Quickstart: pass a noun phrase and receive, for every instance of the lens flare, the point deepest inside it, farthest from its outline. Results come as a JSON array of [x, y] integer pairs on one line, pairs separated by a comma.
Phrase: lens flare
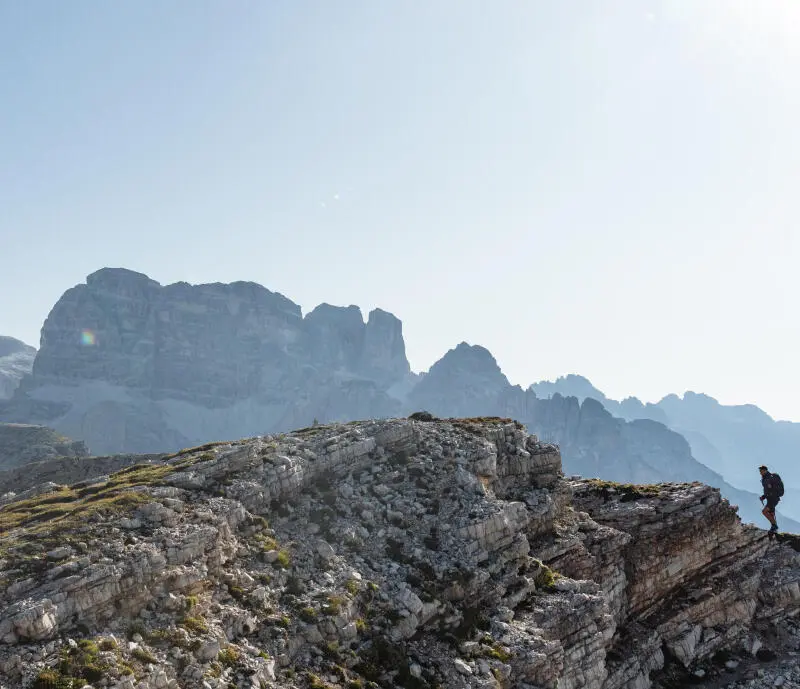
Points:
[[88, 338]]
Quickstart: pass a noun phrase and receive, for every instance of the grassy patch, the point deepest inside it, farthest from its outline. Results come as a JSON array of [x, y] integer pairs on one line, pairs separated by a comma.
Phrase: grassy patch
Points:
[[215, 670], [200, 449], [50, 678], [266, 543], [483, 419], [283, 560], [309, 431], [171, 637], [259, 521], [107, 644], [308, 614], [314, 682], [54, 514], [190, 602], [492, 649], [66, 507], [144, 656], [47, 517], [228, 656], [627, 492], [334, 605], [194, 625], [136, 627], [546, 578], [237, 593], [77, 667]]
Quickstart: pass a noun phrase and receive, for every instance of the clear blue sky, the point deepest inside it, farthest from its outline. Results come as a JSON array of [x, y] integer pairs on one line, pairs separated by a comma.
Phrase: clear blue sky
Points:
[[607, 188]]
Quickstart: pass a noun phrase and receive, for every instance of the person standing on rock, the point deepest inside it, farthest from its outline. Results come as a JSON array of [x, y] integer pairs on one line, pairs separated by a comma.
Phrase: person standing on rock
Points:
[[773, 490]]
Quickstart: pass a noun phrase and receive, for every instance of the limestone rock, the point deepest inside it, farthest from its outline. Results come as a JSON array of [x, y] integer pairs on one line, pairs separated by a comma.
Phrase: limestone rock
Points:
[[453, 553], [66, 470], [129, 365]]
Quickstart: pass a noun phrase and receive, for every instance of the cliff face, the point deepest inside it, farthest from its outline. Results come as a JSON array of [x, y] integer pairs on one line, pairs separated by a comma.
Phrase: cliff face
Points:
[[16, 361], [402, 552], [131, 366]]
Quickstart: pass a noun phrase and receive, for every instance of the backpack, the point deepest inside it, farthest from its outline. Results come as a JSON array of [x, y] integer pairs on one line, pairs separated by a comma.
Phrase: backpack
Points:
[[777, 485]]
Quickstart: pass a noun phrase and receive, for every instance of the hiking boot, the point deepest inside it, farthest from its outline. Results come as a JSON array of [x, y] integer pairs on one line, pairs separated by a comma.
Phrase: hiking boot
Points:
[[773, 528]]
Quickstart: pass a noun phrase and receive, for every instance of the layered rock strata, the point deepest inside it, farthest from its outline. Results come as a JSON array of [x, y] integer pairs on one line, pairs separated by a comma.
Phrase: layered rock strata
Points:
[[66, 470], [400, 553]]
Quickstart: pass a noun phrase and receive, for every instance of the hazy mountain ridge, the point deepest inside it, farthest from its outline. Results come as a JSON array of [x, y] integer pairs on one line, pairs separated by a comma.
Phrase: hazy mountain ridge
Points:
[[732, 440], [130, 366], [467, 381]]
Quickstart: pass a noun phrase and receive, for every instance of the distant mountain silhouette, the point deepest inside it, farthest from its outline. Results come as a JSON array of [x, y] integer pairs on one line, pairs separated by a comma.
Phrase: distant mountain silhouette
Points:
[[16, 361], [732, 440], [132, 366]]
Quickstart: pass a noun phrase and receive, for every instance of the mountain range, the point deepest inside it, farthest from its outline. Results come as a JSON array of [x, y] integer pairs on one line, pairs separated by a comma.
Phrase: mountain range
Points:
[[130, 366], [732, 440]]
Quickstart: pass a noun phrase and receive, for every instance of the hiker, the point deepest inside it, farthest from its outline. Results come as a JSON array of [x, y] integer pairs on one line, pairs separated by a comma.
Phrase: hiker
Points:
[[773, 491]]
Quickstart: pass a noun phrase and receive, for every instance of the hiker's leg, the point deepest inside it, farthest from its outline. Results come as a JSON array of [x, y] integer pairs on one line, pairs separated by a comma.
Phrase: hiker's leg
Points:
[[771, 505]]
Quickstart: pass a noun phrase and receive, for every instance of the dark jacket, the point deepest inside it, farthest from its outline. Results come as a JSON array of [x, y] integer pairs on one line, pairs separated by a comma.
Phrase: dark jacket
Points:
[[770, 486]]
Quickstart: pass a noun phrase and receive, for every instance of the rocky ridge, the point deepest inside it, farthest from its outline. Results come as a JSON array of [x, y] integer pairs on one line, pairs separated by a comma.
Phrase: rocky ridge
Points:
[[65, 470], [467, 381], [131, 366], [25, 443], [410, 552], [16, 361]]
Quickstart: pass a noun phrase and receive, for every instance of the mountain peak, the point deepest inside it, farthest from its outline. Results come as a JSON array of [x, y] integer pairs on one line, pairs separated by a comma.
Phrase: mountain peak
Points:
[[11, 345], [114, 277], [571, 385], [472, 360]]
